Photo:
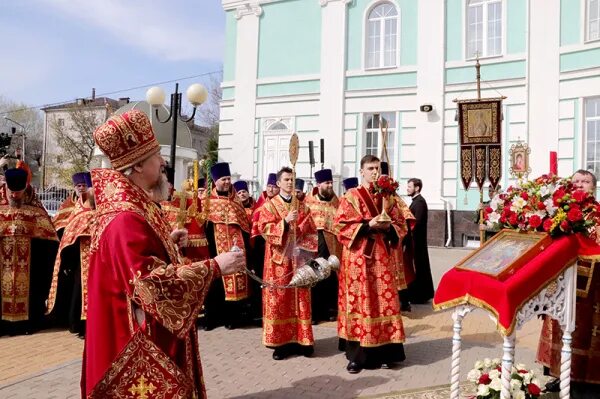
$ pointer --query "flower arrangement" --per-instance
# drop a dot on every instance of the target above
(548, 203)
(487, 374)
(384, 185)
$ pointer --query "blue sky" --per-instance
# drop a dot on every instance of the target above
(57, 50)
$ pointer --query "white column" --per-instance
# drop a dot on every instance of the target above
(246, 66)
(333, 56)
(543, 73)
(430, 90)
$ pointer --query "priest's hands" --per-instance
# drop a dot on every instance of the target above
(292, 216)
(180, 237)
(375, 224)
(231, 262)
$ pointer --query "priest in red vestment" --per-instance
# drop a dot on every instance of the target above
(243, 194)
(142, 299)
(323, 205)
(585, 359)
(67, 301)
(290, 236)
(227, 226)
(28, 245)
(61, 219)
(369, 322)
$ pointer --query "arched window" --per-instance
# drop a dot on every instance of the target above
(382, 36)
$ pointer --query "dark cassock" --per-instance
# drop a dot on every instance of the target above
(323, 205)
(227, 227)
(370, 327)
(143, 298)
(421, 289)
(28, 248)
(67, 301)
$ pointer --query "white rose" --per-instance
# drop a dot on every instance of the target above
(518, 395)
(521, 366)
(518, 204)
(536, 381)
(474, 375)
(496, 384)
(478, 365)
(515, 385)
(483, 390)
(493, 218)
(487, 362)
(494, 374)
(527, 378)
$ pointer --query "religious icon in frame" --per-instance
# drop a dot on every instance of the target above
(479, 121)
(519, 160)
(505, 253)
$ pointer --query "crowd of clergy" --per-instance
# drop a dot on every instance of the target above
(96, 261)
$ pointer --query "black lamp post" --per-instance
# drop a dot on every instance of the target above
(196, 95)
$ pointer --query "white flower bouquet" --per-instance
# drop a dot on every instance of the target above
(487, 375)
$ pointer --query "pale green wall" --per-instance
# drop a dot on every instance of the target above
(516, 26)
(356, 32)
(580, 60)
(230, 46)
(500, 70)
(290, 39)
(392, 80)
(454, 36)
(570, 21)
(287, 88)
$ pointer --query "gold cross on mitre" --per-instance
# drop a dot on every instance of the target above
(142, 390)
(595, 331)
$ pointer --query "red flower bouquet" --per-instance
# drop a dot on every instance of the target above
(384, 186)
(548, 204)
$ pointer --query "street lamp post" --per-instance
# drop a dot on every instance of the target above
(22, 133)
(196, 95)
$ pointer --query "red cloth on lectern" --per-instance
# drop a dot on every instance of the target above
(505, 298)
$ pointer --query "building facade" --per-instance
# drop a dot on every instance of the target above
(332, 68)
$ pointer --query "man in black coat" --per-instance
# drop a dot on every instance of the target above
(421, 289)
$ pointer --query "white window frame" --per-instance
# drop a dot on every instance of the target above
(395, 148)
(586, 119)
(484, 17)
(586, 24)
(365, 40)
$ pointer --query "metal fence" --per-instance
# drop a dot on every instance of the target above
(52, 197)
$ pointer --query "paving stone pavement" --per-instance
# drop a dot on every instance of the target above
(236, 365)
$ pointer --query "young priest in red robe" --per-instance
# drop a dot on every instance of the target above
(369, 322)
(290, 235)
(142, 300)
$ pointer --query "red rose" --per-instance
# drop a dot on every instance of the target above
(574, 215)
(558, 195)
(579, 195)
(513, 219)
(535, 221)
(541, 206)
(547, 224)
(524, 195)
(502, 219)
(485, 379)
(564, 225)
(488, 209)
(534, 389)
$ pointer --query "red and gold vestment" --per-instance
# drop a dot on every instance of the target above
(230, 222)
(286, 312)
(197, 248)
(61, 219)
(79, 227)
(369, 307)
(137, 284)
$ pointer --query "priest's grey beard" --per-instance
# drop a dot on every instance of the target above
(160, 192)
(15, 203)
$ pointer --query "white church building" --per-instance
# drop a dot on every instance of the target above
(329, 69)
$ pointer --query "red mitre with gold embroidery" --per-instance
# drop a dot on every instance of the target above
(127, 139)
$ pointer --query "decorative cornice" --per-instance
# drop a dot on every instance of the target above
(248, 9)
(324, 3)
